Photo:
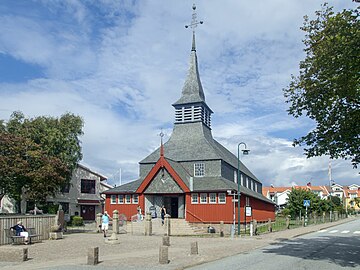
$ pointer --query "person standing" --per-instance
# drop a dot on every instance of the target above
(139, 213)
(105, 222)
(163, 213)
(20, 230)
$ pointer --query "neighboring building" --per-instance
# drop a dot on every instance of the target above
(82, 197)
(7, 205)
(192, 174)
(347, 194)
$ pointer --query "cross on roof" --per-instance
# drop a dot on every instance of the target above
(194, 22)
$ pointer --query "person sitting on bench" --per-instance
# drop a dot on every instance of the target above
(20, 230)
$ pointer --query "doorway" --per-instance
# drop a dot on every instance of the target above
(88, 212)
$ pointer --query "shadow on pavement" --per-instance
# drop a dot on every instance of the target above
(343, 251)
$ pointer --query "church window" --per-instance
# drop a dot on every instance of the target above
(121, 199)
(128, 199)
(194, 198)
(135, 199)
(222, 198)
(199, 169)
(212, 198)
(203, 197)
(113, 199)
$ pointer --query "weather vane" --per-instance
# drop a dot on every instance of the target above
(194, 22)
(161, 134)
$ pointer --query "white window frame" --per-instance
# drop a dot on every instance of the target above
(193, 196)
(203, 195)
(121, 199)
(212, 196)
(135, 198)
(127, 199)
(113, 199)
(220, 197)
(199, 169)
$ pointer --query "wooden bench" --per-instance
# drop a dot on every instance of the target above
(10, 233)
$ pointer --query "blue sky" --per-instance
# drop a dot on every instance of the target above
(121, 64)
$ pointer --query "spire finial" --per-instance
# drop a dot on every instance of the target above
(161, 142)
(194, 23)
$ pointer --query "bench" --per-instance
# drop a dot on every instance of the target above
(15, 238)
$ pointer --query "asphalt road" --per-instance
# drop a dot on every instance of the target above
(334, 248)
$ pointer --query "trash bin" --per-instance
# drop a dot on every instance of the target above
(211, 229)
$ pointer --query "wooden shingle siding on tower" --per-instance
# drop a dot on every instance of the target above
(190, 165)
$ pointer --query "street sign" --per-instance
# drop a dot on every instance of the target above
(248, 211)
(307, 203)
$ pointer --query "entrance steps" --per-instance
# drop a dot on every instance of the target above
(177, 227)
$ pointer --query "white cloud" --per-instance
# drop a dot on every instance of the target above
(122, 65)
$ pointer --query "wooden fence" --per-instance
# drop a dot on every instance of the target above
(41, 223)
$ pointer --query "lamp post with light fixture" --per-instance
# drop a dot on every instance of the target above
(245, 152)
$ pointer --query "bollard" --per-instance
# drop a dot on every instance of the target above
(115, 223)
(194, 250)
(323, 217)
(167, 225)
(164, 255)
(269, 225)
(255, 227)
(166, 240)
(148, 224)
(303, 221)
(251, 228)
(93, 256)
(221, 228)
(287, 222)
(315, 217)
(98, 222)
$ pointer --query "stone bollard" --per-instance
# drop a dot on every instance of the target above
(323, 217)
(115, 223)
(166, 240)
(98, 222)
(336, 215)
(315, 217)
(167, 225)
(13, 254)
(93, 256)
(194, 250)
(303, 221)
(287, 222)
(269, 225)
(164, 255)
(148, 224)
(255, 226)
(221, 228)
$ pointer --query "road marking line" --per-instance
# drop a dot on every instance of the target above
(334, 231)
(345, 231)
(322, 231)
(357, 232)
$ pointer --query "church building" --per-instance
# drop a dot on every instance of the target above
(192, 175)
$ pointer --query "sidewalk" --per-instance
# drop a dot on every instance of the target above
(142, 252)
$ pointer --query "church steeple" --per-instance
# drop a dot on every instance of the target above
(191, 107)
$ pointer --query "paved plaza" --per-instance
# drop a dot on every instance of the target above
(142, 252)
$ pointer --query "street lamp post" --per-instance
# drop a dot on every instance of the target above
(245, 152)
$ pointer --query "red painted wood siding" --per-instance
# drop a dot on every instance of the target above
(214, 213)
(127, 209)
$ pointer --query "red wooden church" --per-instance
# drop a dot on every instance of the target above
(192, 174)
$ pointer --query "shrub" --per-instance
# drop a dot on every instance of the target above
(77, 221)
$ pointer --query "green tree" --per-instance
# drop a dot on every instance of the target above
(327, 88)
(38, 155)
(295, 202)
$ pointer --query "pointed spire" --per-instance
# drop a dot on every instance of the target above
(193, 49)
(161, 144)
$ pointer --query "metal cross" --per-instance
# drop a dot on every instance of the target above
(161, 135)
(194, 22)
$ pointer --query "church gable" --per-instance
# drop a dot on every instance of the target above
(163, 182)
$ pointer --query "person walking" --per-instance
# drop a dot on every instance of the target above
(163, 213)
(105, 222)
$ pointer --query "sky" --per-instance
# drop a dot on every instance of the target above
(121, 64)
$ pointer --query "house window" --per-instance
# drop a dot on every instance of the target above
(203, 197)
(128, 199)
(199, 169)
(87, 186)
(135, 199)
(194, 198)
(66, 188)
(242, 179)
(222, 198)
(113, 199)
(247, 201)
(121, 199)
(212, 198)
(235, 176)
